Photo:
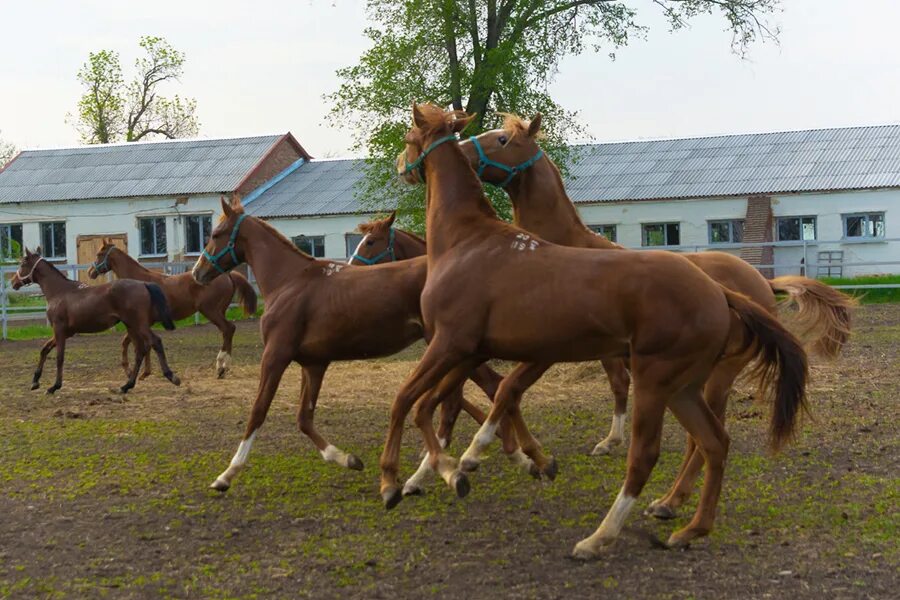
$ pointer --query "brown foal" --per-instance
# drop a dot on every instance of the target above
(185, 297)
(494, 290)
(318, 312)
(542, 207)
(74, 308)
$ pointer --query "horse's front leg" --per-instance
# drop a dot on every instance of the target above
(60, 339)
(48, 346)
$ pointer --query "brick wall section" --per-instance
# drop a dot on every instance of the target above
(758, 227)
(280, 158)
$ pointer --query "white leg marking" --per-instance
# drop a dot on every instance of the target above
(482, 440)
(223, 361)
(616, 436)
(335, 455)
(415, 483)
(521, 459)
(237, 462)
(609, 529)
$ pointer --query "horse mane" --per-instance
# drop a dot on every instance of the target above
(436, 118)
(371, 225)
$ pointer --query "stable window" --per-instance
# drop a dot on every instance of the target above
(795, 229)
(196, 231)
(864, 225)
(153, 236)
(352, 241)
(314, 245)
(53, 239)
(661, 234)
(10, 241)
(726, 231)
(607, 231)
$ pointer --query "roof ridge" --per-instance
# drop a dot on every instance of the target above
(155, 142)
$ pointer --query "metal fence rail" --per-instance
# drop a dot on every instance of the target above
(805, 266)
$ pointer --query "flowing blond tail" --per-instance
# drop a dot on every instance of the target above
(823, 313)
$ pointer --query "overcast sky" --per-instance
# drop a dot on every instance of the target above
(263, 67)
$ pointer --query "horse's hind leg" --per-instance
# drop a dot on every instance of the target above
(310, 385)
(709, 434)
(140, 350)
(217, 318)
(619, 381)
(646, 429)
(36, 379)
(126, 366)
(60, 359)
(716, 395)
(157, 345)
(274, 361)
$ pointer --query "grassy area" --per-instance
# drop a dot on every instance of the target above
(870, 296)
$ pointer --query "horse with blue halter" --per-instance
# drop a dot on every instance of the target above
(185, 297)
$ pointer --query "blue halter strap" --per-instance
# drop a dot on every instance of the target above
(229, 249)
(389, 251)
(419, 162)
(103, 265)
(484, 162)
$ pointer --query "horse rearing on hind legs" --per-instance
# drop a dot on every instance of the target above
(75, 308)
(494, 290)
(510, 157)
(318, 312)
(185, 297)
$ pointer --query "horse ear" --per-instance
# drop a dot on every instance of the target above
(26, 250)
(460, 123)
(393, 216)
(418, 117)
(226, 208)
(535, 126)
(236, 202)
(37, 251)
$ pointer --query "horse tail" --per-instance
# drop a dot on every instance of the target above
(161, 306)
(781, 368)
(246, 291)
(822, 311)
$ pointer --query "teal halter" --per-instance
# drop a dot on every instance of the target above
(229, 249)
(419, 162)
(389, 251)
(484, 162)
(103, 266)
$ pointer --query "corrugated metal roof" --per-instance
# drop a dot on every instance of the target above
(178, 167)
(730, 165)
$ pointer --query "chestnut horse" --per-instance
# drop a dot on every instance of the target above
(494, 290)
(73, 308)
(185, 297)
(511, 157)
(318, 312)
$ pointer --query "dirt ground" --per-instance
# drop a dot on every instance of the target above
(105, 495)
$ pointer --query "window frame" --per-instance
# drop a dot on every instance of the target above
(347, 246)
(731, 229)
(4, 255)
(65, 248)
(615, 230)
(815, 224)
(187, 218)
(313, 239)
(665, 225)
(156, 254)
(867, 216)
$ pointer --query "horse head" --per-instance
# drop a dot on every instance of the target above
(224, 250)
(24, 275)
(499, 155)
(377, 244)
(432, 126)
(101, 261)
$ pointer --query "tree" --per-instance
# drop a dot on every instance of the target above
(7, 151)
(488, 56)
(112, 110)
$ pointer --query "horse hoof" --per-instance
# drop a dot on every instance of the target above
(124, 389)
(51, 390)
(354, 463)
(583, 551)
(144, 376)
(601, 449)
(220, 486)
(392, 497)
(469, 465)
(174, 379)
(35, 385)
(412, 490)
(460, 483)
(221, 373)
(551, 470)
(534, 470)
(660, 511)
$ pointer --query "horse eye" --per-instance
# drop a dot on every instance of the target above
(370, 242)
(502, 139)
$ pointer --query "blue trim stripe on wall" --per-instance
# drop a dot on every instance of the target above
(272, 182)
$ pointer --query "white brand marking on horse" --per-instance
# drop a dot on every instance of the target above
(524, 241)
(332, 268)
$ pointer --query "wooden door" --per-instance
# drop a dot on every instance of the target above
(89, 246)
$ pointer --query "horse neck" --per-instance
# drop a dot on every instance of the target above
(273, 261)
(126, 267)
(454, 200)
(541, 206)
(406, 245)
(52, 282)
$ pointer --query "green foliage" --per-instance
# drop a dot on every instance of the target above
(485, 58)
(112, 109)
(7, 151)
